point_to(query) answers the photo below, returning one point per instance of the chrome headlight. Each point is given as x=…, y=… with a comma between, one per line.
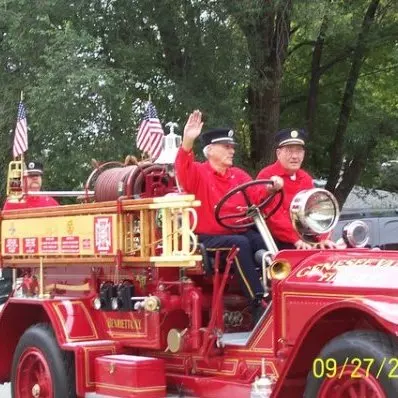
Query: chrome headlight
x=97, y=303
x=356, y=234
x=313, y=212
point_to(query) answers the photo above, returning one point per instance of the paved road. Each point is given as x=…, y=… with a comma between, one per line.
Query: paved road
x=6, y=393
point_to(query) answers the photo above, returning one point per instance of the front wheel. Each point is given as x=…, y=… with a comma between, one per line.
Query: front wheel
x=40, y=368
x=356, y=364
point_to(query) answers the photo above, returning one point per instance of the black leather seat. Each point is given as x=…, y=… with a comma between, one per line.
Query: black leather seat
x=5, y=285
x=209, y=257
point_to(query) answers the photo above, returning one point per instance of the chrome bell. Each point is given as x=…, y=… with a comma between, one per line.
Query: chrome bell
x=171, y=143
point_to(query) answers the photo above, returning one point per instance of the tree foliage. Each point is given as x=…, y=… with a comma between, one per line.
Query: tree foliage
x=86, y=69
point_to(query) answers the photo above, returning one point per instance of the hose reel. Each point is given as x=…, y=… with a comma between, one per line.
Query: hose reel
x=112, y=180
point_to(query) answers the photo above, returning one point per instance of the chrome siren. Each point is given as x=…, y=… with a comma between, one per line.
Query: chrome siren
x=356, y=234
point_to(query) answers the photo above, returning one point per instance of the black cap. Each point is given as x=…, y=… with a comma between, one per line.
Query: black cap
x=290, y=136
x=217, y=136
x=34, y=168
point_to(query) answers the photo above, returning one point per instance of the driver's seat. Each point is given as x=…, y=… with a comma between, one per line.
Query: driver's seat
x=237, y=312
x=209, y=258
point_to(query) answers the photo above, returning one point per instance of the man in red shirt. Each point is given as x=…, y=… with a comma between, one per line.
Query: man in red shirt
x=33, y=179
x=209, y=182
x=290, y=155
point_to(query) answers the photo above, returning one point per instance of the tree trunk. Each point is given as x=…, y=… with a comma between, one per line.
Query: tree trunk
x=337, y=152
x=177, y=63
x=315, y=76
x=353, y=171
x=264, y=108
x=267, y=35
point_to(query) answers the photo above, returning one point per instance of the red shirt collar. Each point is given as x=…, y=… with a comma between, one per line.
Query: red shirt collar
x=214, y=171
x=280, y=170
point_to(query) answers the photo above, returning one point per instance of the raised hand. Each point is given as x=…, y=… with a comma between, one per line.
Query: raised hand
x=192, y=129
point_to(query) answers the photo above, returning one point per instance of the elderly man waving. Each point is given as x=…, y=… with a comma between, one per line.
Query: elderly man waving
x=209, y=182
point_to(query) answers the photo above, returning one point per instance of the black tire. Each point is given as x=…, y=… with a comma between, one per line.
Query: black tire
x=361, y=344
x=5, y=289
x=61, y=363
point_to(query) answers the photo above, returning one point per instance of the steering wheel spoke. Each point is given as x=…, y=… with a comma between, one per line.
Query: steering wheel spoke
x=242, y=217
x=247, y=198
x=236, y=215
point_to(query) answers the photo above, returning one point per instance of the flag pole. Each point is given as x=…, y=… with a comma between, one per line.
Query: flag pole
x=22, y=158
x=21, y=99
x=145, y=152
x=24, y=185
x=22, y=154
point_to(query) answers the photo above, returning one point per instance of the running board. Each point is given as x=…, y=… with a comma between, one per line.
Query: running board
x=242, y=338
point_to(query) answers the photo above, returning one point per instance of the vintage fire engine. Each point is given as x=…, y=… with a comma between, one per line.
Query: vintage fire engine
x=115, y=296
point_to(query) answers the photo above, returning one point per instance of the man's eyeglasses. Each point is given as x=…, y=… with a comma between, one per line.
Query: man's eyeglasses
x=293, y=151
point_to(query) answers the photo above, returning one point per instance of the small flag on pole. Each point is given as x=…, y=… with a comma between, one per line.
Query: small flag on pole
x=21, y=132
x=150, y=133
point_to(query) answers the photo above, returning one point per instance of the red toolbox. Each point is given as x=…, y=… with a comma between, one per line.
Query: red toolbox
x=130, y=376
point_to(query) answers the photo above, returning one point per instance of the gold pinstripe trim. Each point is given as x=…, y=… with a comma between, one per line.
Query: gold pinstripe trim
x=56, y=307
x=229, y=372
x=131, y=389
x=86, y=351
x=307, y=294
x=244, y=278
x=253, y=346
x=270, y=363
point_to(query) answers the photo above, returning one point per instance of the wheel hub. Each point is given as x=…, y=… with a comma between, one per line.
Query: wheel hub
x=36, y=391
x=33, y=375
x=344, y=385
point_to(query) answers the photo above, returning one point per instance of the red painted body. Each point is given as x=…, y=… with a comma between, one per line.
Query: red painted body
x=138, y=373
x=326, y=294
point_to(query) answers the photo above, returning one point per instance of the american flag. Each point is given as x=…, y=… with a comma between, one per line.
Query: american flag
x=21, y=132
x=150, y=133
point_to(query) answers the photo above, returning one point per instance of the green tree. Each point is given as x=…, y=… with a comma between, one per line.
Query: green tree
x=87, y=69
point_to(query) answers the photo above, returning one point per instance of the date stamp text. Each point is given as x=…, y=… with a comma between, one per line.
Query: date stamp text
x=355, y=368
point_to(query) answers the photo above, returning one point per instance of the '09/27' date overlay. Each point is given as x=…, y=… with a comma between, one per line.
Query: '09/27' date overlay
x=355, y=368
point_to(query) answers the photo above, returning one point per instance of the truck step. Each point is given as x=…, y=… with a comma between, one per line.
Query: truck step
x=5, y=392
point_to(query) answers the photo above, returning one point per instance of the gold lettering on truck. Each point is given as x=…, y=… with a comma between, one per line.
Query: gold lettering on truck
x=126, y=324
x=326, y=272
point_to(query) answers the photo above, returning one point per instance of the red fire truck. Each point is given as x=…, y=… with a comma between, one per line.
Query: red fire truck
x=115, y=296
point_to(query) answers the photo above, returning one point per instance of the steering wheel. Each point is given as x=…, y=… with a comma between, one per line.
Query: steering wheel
x=251, y=210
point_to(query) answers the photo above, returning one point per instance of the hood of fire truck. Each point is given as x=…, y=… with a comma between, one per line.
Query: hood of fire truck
x=342, y=269
x=364, y=277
